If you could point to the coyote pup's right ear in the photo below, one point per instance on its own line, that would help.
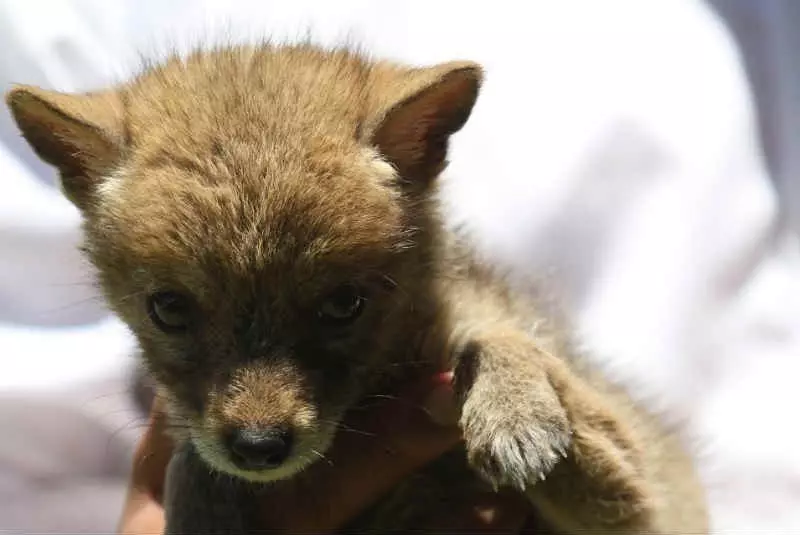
(414, 134)
(79, 134)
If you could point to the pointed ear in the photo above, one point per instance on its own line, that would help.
(414, 133)
(80, 134)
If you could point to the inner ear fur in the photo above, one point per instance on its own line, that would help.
(79, 134)
(414, 133)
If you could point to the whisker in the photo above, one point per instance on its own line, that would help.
(132, 295)
(344, 427)
(71, 306)
(99, 397)
(381, 396)
(130, 426)
(407, 403)
(356, 431)
(85, 284)
(124, 411)
(322, 456)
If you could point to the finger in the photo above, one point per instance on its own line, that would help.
(152, 455)
(385, 444)
(142, 516)
(143, 511)
(484, 513)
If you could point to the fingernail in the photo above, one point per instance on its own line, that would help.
(441, 405)
(445, 378)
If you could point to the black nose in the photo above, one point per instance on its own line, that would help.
(260, 449)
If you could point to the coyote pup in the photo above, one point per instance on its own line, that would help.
(265, 220)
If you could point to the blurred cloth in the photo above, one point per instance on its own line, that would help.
(615, 153)
(64, 458)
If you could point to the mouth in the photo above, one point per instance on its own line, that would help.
(262, 455)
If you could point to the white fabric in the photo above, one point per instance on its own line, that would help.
(614, 150)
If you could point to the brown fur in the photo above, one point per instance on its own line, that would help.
(258, 179)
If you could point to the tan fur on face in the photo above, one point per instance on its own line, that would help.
(265, 396)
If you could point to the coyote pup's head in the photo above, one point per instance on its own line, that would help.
(261, 218)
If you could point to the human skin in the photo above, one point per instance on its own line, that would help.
(400, 435)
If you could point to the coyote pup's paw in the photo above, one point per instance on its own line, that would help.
(515, 427)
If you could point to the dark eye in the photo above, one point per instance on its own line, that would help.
(170, 311)
(342, 307)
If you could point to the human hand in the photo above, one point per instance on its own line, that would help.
(395, 439)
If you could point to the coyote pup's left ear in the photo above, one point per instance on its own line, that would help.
(414, 133)
(79, 134)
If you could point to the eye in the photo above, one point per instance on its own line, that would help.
(170, 311)
(342, 307)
